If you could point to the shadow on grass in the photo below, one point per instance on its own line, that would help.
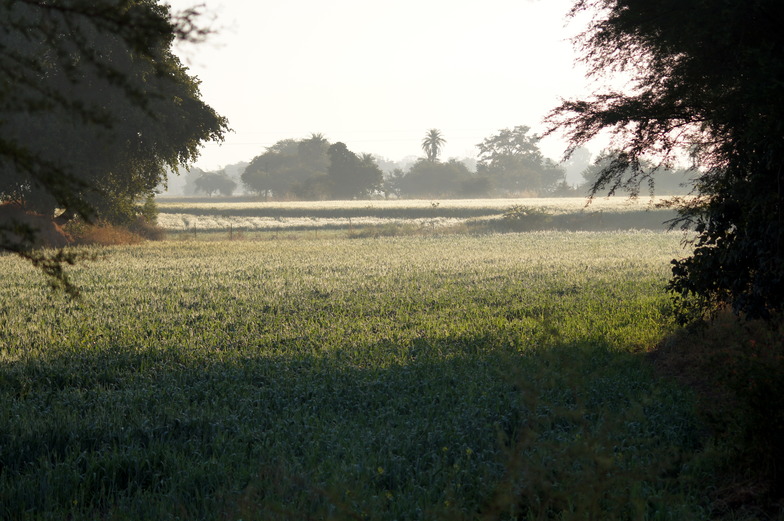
(533, 220)
(458, 428)
(736, 368)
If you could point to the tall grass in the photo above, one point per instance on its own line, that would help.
(392, 378)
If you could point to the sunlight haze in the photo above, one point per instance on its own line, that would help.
(378, 75)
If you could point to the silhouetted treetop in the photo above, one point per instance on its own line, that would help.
(705, 80)
(94, 107)
(432, 144)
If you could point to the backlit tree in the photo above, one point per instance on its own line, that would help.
(432, 144)
(706, 80)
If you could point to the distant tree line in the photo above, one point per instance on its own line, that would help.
(509, 164)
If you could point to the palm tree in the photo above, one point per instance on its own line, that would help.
(432, 144)
(367, 159)
(317, 137)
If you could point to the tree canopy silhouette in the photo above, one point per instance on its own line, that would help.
(350, 175)
(706, 80)
(287, 165)
(313, 168)
(94, 109)
(432, 144)
(512, 163)
(211, 182)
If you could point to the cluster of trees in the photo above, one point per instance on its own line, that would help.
(215, 182)
(433, 179)
(195, 181)
(94, 110)
(706, 80)
(510, 163)
(313, 168)
(661, 180)
(513, 164)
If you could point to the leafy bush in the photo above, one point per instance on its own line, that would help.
(149, 210)
(525, 218)
(737, 368)
(146, 229)
(107, 234)
(755, 373)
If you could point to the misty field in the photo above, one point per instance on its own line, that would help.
(437, 377)
(569, 213)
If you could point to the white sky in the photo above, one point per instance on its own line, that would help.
(378, 74)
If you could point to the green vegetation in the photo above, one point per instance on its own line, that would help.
(432, 143)
(413, 363)
(211, 182)
(703, 82)
(511, 162)
(94, 105)
(510, 165)
(94, 109)
(312, 169)
(393, 378)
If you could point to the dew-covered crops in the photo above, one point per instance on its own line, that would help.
(383, 378)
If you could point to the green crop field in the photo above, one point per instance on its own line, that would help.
(494, 376)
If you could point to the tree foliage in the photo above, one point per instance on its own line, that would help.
(513, 164)
(430, 179)
(352, 176)
(393, 183)
(312, 168)
(662, 181)
(706, 79)
(286, 165)
(94, 106)
(432, 144)
(212, 182)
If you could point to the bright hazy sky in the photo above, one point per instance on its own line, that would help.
(378, 74)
